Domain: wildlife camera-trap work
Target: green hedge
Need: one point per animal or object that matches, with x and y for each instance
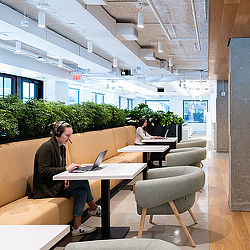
(20, 120)
(154, 117)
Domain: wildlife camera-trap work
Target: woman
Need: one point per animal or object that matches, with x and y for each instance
(141, 134)
(50, 159)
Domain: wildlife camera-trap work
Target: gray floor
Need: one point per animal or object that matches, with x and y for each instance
(123, 213)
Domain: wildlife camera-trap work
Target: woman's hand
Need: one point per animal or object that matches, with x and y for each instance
(66, 184)
(72, 166)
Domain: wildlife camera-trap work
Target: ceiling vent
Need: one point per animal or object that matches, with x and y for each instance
(126, 31)
(147, 54)
(160, 90)
(95, 2)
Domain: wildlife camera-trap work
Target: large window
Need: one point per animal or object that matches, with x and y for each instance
(195, 111)
(130, 103)
(73, 95)
(31, 89)
(6, 85)
(97, 97)
(155, 105)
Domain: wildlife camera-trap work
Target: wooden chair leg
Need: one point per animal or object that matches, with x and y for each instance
(200, 190)
(173, 207)
(151, 218)
(143, 216)
(201, 165)
(192, 215)
(134, 189)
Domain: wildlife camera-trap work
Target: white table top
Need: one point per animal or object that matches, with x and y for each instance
(144, 148)
(168, 139)
(31, 237)
(107, 172)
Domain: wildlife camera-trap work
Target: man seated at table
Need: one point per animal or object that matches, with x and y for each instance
(50, 159)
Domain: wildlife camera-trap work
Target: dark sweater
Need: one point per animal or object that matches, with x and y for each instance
(47, 164)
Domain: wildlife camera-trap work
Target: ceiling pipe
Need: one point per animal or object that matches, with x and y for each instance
(159, 19)
(195, 24)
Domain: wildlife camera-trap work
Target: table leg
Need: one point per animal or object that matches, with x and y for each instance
(160, 160)
(145, 159)
(106, 232)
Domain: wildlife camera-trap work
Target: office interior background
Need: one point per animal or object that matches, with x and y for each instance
(189, 57)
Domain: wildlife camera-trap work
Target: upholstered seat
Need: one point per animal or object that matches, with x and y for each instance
(192, 143)
(169, 190)
(123, 244)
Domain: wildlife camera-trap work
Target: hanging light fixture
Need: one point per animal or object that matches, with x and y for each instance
(90, 46)
(18, 47)
(60, 62)
(170, 62)
(41, 19)
(115, 62)
(160, 47)
(140, 22)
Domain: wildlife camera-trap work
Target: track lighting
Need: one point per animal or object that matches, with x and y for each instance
(160, 48)
(41, 19)
(90, 46)
(140, 22)
(115, 62)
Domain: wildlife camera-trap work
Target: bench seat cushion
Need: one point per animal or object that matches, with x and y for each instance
(49, 211)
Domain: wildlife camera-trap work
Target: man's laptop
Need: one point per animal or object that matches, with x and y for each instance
(96, 164)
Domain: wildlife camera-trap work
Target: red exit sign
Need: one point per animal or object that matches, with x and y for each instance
(76, 77)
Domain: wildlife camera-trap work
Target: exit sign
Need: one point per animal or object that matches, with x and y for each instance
(76, 77)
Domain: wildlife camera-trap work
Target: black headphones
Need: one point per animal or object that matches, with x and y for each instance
(58, 132)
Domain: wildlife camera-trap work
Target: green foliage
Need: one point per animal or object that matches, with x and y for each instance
(20, 120)
(155, 118)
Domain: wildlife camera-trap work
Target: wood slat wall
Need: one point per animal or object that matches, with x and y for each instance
(227, 19)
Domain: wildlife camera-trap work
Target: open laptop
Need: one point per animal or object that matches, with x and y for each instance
(96, 164)
(165, 136)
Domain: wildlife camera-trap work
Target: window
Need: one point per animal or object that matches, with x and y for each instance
(130, 104)
(31, 89)
(155, 105)
(97, 97)
(6, 85)
(119, 102)
(73, 95)
(195, 111)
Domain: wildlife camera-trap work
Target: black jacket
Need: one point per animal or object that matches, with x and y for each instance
(47, 164)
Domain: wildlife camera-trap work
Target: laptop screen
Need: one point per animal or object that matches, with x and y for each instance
(99, 159)
(166, 133)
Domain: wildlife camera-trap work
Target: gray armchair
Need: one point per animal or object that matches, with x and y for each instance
(182, 157)
(123, 244)
(168, 190)
(192, 143)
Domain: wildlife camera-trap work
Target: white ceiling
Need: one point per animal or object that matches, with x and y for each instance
(69, 23)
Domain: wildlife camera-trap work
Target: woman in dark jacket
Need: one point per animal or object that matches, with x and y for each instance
(50, 159)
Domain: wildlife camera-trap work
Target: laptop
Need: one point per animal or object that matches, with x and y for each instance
(165, 136)
(96, 164)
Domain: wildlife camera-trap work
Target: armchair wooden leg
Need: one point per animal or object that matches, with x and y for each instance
(172, 205)
(201, 165)
(151, 218)
(192, 215)
(134, 189)
(143, 216)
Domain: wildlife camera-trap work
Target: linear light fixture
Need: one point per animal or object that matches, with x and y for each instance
(18, 47)
(60, 62)
(41, 19)
(160, 47)
(115, 62)
(90, 46)
(140, 22)
(170, 62)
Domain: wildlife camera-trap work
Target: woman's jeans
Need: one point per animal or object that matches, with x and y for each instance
(82, 193)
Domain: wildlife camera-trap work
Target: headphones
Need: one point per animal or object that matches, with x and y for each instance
(58, 132)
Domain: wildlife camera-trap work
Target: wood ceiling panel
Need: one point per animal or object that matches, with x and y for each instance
(227, 19)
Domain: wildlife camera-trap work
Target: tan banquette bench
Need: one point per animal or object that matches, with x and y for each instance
(17, 174)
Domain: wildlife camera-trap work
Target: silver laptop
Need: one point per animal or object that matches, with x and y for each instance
(96, 164)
